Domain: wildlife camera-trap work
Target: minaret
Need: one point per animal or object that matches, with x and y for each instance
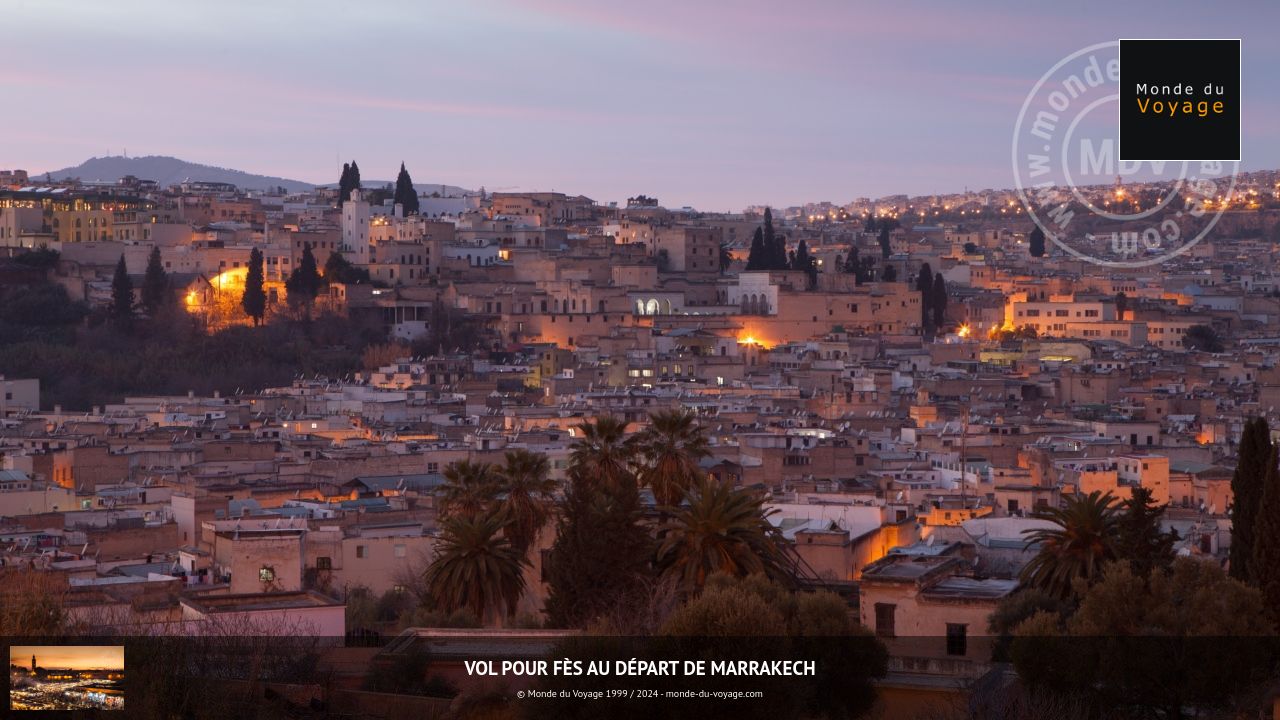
(33, 663)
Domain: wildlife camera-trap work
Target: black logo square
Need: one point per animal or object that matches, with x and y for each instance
(1180, 100)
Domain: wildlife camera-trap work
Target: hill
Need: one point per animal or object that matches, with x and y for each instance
(168, 171)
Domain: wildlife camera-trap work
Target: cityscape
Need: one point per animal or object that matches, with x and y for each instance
(318, 410)
(66, 677)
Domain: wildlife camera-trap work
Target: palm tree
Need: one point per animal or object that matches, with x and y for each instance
(602, 454)
(526, 495)
(476, 566)
(1083, 541)
(469, 488)
(720, 529)
(671, 447)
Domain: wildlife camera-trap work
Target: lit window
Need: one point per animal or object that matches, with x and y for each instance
(267, 574)
(399, 551)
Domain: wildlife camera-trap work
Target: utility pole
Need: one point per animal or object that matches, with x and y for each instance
(964, 438)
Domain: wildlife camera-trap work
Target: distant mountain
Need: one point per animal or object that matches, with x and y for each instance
(168, 171)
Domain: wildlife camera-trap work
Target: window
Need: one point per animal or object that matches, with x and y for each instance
(884, 619)
(399, 551)
(267, 574)
(324, 563)
(957, 639)
(360, 551)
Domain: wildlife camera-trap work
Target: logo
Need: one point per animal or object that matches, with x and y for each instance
(1180, 99)
(1079, 192)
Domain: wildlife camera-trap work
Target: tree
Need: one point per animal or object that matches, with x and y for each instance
(304, 282)
(602, 555)
(1035, 242)
(254, 300)
(349, 181)
(41, 256)
(889, 274)
(721, 529)
(344, 183)
(337, 269)
(121, 307)
(756, 617)
(406, 196)
(938, 299)
(602, 455)
(469, 488)
(476, 567)
(671, 448)
(885, 248)
(970, 249)
(775, 246)
(1266, 541)
(1190, 637)
(1083, 541)
(728, 609)
(756, 258)
(924, 280)
(1122, 302)
(1246, 489)
(924, 285)
(802, 261)
(1203, 338)
(1140, 540)
(32, 602)
(155, 284)
(726, 258)
(526, 495)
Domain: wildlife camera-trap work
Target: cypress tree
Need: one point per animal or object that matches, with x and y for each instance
(1140, 541)
(355, 176)
(155, 284)
(939, 300)
(121, 307)
(851, 262)
(601, 555)
(781, 258)
(885, 249)
(1036, 242)
(924, 285)
(889, 274)
(1246, 488)
(405, 195)
(775, 248)
(802, 258)
(254, 300)
(344, 183)
(1265, 564)
(756, 259)
(304, 282)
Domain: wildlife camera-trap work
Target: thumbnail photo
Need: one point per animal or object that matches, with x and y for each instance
(66, 677)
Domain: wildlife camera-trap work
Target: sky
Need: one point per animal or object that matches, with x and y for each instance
(69, 657)
(715, 104)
